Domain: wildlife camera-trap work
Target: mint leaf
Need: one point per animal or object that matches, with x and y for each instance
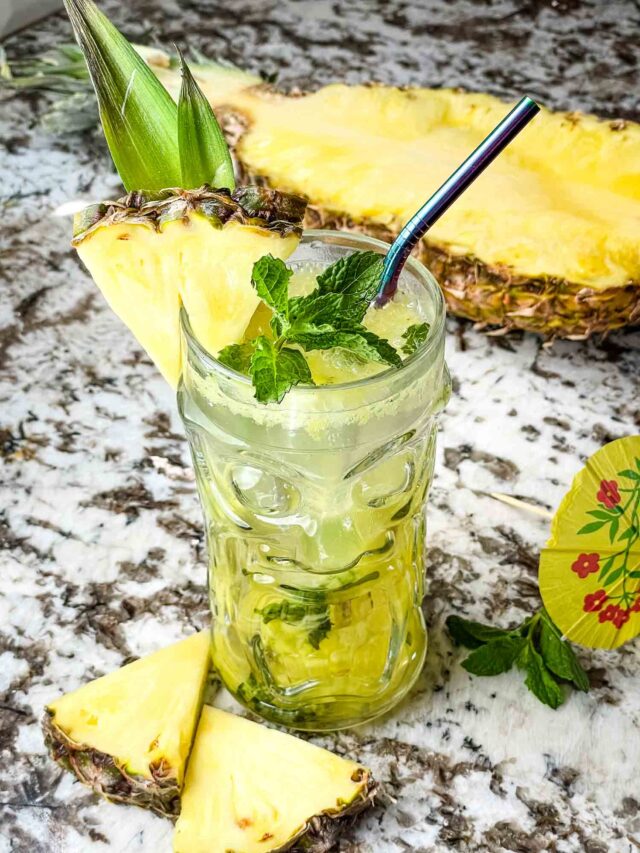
(270, 277)
(494, 657)
(414, 337)
(317, 634)
(237, 357)
(559, 656)
(465, 632)
(333, 309)
(359, 340)
(539, 680)
(274, 372)
(357, 275)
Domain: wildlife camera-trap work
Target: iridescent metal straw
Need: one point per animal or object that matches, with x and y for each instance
(464, 175)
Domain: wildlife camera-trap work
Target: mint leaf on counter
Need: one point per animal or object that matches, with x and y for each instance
(494, 657)
(559, 656)
(414, 337)
(535, 646)
(465, 632)
(275, 371)
(539, 679)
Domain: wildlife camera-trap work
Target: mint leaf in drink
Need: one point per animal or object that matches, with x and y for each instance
(237, 356)
(465, 632)
(275, 371)
(494, 657)
(334, 309)
(270, 277)
(539, 680)
(356, 275)
(414, 337)
(317, 634)
(358, 340)
(559, 656)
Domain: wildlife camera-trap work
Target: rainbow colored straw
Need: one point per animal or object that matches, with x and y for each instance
(453, 187)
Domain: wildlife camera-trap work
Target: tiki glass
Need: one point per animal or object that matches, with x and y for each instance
(315, 519)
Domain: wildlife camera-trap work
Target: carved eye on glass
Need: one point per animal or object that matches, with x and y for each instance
(262, 491)
(386, 482)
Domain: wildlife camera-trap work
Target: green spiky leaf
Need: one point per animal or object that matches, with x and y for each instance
(138, 116)
(204, 154)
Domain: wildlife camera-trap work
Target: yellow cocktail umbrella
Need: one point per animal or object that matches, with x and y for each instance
(590, 569)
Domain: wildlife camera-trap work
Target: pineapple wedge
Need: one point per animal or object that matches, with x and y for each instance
(128, 734)
(251, 789)
(546, 240)
(148, 255)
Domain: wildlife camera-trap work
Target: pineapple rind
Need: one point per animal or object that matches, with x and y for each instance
(128, 734)
(495, 297)
(109, 777)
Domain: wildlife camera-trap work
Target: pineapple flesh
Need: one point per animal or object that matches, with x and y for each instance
(546, 239)
(196, 248)
(128, 734)
(251, 789)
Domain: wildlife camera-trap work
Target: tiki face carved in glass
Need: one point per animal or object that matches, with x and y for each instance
(314, 510)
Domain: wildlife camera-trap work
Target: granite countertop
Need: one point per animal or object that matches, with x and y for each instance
(101, 543)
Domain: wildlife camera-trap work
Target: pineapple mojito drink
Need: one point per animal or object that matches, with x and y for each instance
(315, 509)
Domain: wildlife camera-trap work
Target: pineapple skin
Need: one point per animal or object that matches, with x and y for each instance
(109, 777)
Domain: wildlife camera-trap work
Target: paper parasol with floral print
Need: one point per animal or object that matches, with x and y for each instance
(590, 569)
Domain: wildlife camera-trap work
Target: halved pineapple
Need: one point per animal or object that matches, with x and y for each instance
(545, 240)
(250, 789)
(196, 247)
(128, 734)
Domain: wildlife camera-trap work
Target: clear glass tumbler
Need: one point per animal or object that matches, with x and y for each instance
(315, 520)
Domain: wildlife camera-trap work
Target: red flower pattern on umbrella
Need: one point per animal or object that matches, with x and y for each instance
(595, 601)
(608, 494)
(586, 564)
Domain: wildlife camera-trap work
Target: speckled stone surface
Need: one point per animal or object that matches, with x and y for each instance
(101, 548)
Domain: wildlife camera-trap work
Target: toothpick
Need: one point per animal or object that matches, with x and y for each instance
(519, 504)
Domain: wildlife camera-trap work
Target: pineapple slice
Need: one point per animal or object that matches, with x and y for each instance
(128, 734)
(251, 789)
(196, 247)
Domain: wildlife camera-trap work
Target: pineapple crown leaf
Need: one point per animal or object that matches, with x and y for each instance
(204, 153)
(137, 113)
(154, 143)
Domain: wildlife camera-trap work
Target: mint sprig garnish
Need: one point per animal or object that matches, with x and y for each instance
(330, 316)
(536, 647)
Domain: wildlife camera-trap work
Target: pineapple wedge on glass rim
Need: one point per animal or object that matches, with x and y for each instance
(128, 734)
(151, 254)
(184, 235)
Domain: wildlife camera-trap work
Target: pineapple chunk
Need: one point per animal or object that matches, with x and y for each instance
(192, 247)
(128, 734)
(250, 788)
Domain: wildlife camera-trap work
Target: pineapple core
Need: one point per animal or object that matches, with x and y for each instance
(143, 714)
(250, 788)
